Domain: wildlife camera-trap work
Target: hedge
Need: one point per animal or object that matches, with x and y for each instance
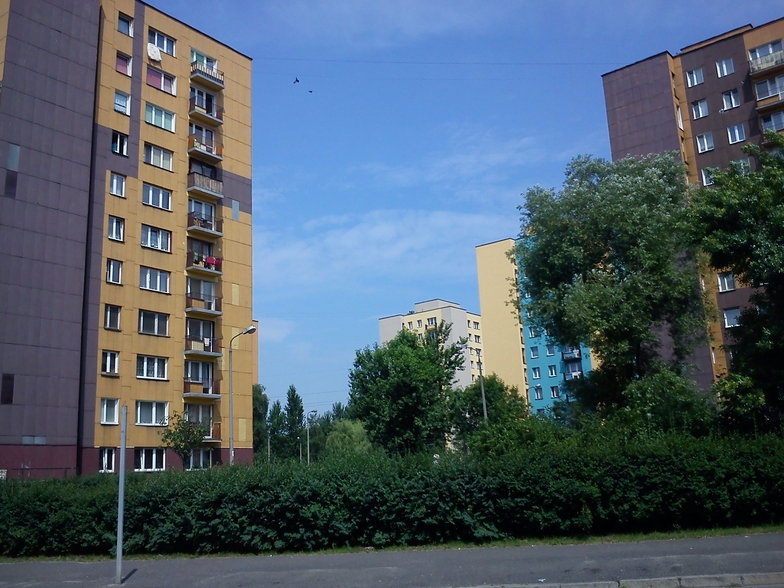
(674, 483)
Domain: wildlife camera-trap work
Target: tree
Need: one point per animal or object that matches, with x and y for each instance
(183, 435)
(607, 263)
(739, 223)
(260, 408)
(294, 413)
(276, 426)
(348, 437)
(504, 404)
(399, 390)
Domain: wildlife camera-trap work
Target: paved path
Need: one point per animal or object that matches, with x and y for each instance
(754, 560)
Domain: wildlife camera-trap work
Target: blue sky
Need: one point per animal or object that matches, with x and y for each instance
(426, 121)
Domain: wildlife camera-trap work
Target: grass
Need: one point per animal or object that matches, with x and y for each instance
(583, 540)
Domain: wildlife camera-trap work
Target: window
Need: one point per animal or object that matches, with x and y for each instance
(203, 100)
(534, 352)
(680, 117)
(109, 411)
(554, 392)
(410, 325)
(113, 271)
(159, 117)
(725, 67)
(116, 228)
(163, 81)
(200, 459)
(431, 321)
(731, 99)
(111, 317)
(158, 156)
(110, 363)
(477, 339)
(151, 368)
(149, 460)
(123, 64)
(153, 323)
(726, 281)
(153, 279)
(157, 197)
(533, 332)
(550, 350)
(699, 109)
(744, 165)
(773, 122)
(106, 460)
(200, 372)
(736, 133)
(536, 373)
(7, 389)
(551, 371)
(164, 43)
(155, 238)
(731, 317)
(538, 393)
(476, 325)
(765, 49)
(771, 87)
(694, 77)
(122, 102)
(704, 142)
(117, 185)
(119, 143)
(203, 60)
(706, 177)
(125, 25)
(419, 323)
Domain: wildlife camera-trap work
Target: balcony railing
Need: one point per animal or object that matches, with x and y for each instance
(199, 106)
(207, 223)
(194, 389)
(207, 262)
(210, 75)
(215, 432)
(571, 354)
(572, 376)
(205, 184)
(202, 302)
(206, 344)
(766, 62)
(206, 146)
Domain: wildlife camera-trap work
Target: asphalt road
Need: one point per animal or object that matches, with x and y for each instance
(731, 557)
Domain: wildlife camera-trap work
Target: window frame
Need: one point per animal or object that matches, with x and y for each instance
(165, 82)
(153, 39)
(203, 451)
(115, 180)
(160, 319)
(159, 364)
(695, 77)
(126, 107)
(534, 349)
(156, 454)
(150, 112)
(721, 67)
(731, 98)
(110, 363)
(550, 350)
(555, 392)
(116, 228)
(103, 454)
(119, 143)
(552, 371)
(737, 137)
(150, 190)
(734, 313)
(536, 373)
(109, 312)
(771, 47)
(150, 153)
(114, 271)
(206, 61)
(726, 281)
(105, 404)
(699, 109)
(145, 283)
(128, 21)
(148, 230)
(125, 59)
(705, 142)
(707, 180)
(538, 393)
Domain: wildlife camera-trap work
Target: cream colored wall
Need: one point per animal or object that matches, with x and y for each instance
(503, 347)
(235, 285)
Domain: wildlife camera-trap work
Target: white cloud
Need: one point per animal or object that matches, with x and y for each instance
(274, 330)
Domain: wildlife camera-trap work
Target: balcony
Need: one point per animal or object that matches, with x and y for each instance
(207, 76)
(205, 148)
(208, 390)
(204, 304)
(204, 263)
(572, 354)
(215, 432)
(205, 347)
(202, 111)
(204, 185)
(767, 63)
(572, 376)
(206, 226)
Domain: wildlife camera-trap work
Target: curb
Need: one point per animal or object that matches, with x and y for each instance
(772, 580)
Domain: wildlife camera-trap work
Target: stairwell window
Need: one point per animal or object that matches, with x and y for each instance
(111, 317)
(117, 185)
(110, 363)
(116, 228)
(114, 271)
(694, 77)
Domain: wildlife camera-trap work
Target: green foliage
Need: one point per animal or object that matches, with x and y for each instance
(741, 404)
(605, 261)
(182, 435)
(260, 409)
(276, 425)
(539, 489)
(399, 389)
(348, 437)
(739, 223)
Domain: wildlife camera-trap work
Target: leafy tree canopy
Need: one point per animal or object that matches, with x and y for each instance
(399, 390)
(504, 404)
(348, 437)
(260, 408)
(606, 262)
(183, 435)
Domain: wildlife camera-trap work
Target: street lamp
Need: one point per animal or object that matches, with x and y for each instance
(300, 448)
(249, 331)
(307, 425)
(481, 382)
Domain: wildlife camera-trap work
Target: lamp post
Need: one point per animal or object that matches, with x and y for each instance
(249, 331)
(481, 382)
(300, 448)
(307, 425)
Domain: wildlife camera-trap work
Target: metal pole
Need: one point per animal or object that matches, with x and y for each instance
(307, 427)
(268, 448)
(121, 496)
(300, 448)
(231, 404)
(482, 386)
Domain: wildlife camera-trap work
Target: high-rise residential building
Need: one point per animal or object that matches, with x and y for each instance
(125, 223)
(426, 317)
(706, 103)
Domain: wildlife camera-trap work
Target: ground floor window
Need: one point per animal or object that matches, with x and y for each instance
(106, 459)
(201, 459)
(149, 459)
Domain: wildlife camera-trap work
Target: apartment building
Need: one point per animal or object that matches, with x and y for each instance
(426, 316)
(125, 220)
(706, 103)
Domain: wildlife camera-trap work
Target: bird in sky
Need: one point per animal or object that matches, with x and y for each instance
(296, 80)
(310, 91)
